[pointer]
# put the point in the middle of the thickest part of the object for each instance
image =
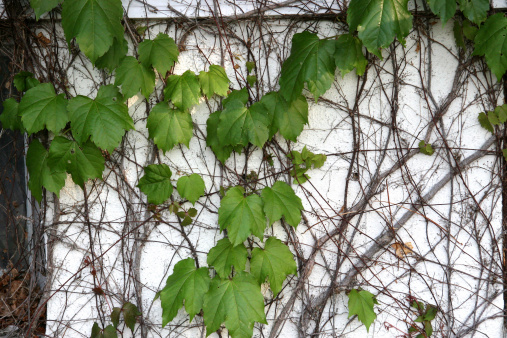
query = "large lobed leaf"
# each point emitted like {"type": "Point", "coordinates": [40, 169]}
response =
{"type": "Point", "coordinates": [214, 81]}
{"type": "Point", "coordinates": [475, 10]}
{"type": "Point", "coordinates": [156, 183]}
{"type": "Point", "coordinates": [10, 118]}
{"type": "Point", "coordinates": [349, 55]}
{"type": "Point", "coordinates": [223, 256]}
{"type": "Point", "coordinates": [445, 9]}
{"type": "Point", "coordinates": [183, 90]}
{"type": "Point", "coordinates": [42, 6]}
{"type": "Point", "coordinates": [134, 77]}
{"type": "Point", "coordinates": [169, 127]}
{"type": "Point", "coordinates": [361, 304]}
{"type": "Point", "coordinates": [191, 187]}
{"type": "Point", "coordinates": [160, 53]}
{"type": "Point", "coordinates": [280, 200]}
{"type": "Point", "coordinates": [491, 41]}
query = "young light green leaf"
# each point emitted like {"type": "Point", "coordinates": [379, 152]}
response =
{"type": "Point", "coordinates": [224, 256]}
{"type": "Point", "coordinates": [378, 22]}
{"type": "Point", "coordinates": [311, 61]}
{"type": "Point", "coordinates": [191, 187]}
{"type": "Point", "coordinates": [104, 119]}
{"type": "Point", "coordinates": [485, 123]}
{"type": "Point", "coordinates": [349, 55]}
{"type": "Point", "coordinates": [41, 174]}
{"type": "Point", "coordinates": [156, 183]}
{"type": "Point", "coordinates": [94, 24]}
{"type": "Point", "coordinates": [24, 81]}
{"type": "Point", "coordinates": [10, 118]}
{"type": "Point", "coordinates": [426, 148]}
{"type": "Point", "coordinates": [115, 316]}
{"type": "Point", "coordinates": [474, 10]}
{"type": "Point", "coordinates": [214, 81]}
{"type": "Point", "coordinates": [169, 127]}
{"type": "Point", "coordinates": [445, 9]}
{"type": "Point", "coordinates": [83, 163]}
{"type": "Point", "coordinates": [251, 79]}
{"type": "Point", "coordinates": [41, 108]}
{"type": "Point", "coordinates": [240, 95]}
{"type": "Point", "coordinates": [238, 302]}
{"type": "Point", "coordinates": [133, 77]}
{"type": "Point", "coordinates": [250, 65]}
{"type": "Point", "coordinates": [241, 215]}
{"type": "Point", "coordinates": [280, 200]}
{"type": "Point", "coordinates": [221, 152]}
{"type": "Point", "coordinates": [239, 125]}
{"type": "Point", "coordinates": [187, 283]}
{"type": "Point", "coordinates": [183, 90]}
{"type": "Point", "coordinates": [42, 6]}
{"type": "Point", "coordinates": [361, 304]}
{"type": "Point", "coordinates": [160, 53]}
{"type": "Point", "coordinates": [130, 312]}
{"type": "Point", "coordinates": [491, 41]}
{"type": "Point", "coordinates": [114, 56]}
{"type": "Point", "coordinates": [275, 262]}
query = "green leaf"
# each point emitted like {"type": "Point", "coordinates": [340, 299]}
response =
{"type": "Point", "coordinates": [291, 121]}
{"type": "Point", "coordinates": [250, 66]}
{"type": "Point", "coordinates": [426, 148]}
{"type": "Point", "coordinates": [241, 215]}
{"type": "Point", "coordinates": [311, 61]}
{"type": "Point", "coordinates": [130, 312]}
{"type": "Point", "coordinates": [156, 183]}
{"type": "Point", "coordinates": [10, 118]}
{"type": "Point", "coordinates": [169, 127]}
{"type": "Point", "coordinates": [94, 24]}
{"type": "Point", "coordinates": [224, 256]}
{"type": "Point", "coordinates": [160, 53]}
{"type": "Point", "coordinates": [445, 9]}
{"type": "Point", "coordinates": [110, 332]}
{"type": "Point", "coordinates": [41, 174]}
{"type": "Point", "coordinates": [501, 113]}
{"type": "Point", "coordinates": [428, 328]}
{"type": "Point", "coordinates": [115, 316]}
{"type": "Point", "coordinates": [134, 77]}
{"type": "Point", "coordinates": [485, 123]}
{"type": "Point", "coordinates": [104, 119]}
{"type": "Point", "coordinates": [191, 187]}
{"type": "Point", "coordinates": [275, 262]}
{"type": "Point", "coordinates": [221, 152]}
{"type": "Point", "coordinates": [431, 312]}
{"type": "Point", "coordinates": [240, 95]}
{"type": "Point", "coordinates": [378, 22]}
{"type": "Point", "coordinates": [458, 34]}
{"type": "Point", "coordinates": [474, 10]}
{"type": "Point", "coordinates": [361, 304]}
{"type": "Point", "coordinates": [504, 153]}
{"type": "Point", "coordinates": [349, 55]}
{"type": "Point", "coordinates": [214, 81]}
{"type": "Point", "coordinates": [251, 79]}
{"type": "Point", "coordinates": [280, 200]}
{"type": "Point", "coordinates": [469, 30]}
{"type": "Point", "coordinates": [239, 125]}
{"type": "Point", "coordinates": [95, 331]}
{"type": "Point", "coordinates": [41, 108]}
{"type": "Point", "coordinates": [114, 56]}
{"type": "Point", "coordinates": [42, 6]}
{"type": "Point", "coordinates": [183, 90]}
{"type": "Point", "coordinates": [238, 302]}
{"type": "Point", "coordinates": [83, 163]}
{"type": "Point", "coordinates": [187, 283]}
{"type": "Point", "coordinates": [24, 81]}
{"type": "Point", "coordinates": [491, 41]}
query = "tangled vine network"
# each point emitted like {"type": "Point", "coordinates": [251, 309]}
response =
{"type": "Point", "coordinates": [400, 179]}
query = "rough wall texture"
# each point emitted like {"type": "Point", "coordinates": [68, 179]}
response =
{"type": "Point", "coordinates": [375, 190]}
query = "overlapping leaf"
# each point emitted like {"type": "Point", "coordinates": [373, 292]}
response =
{"type": "Point", "coordinates": [221, 152]}
{"type": "Point", "coordinates": [491, 41]}
{"type": "Point", "coordinates": [169, 127]}
{"type": "Point", "coordinates": [349, 55]}
{"type": "Point", "coordinates": [156, 183]}
{"type": "Point", "coordinates": [183, 90]}
{"type": "Point", "coordinates": [10, 118]}
{"type": "Point", "coordinates": [191, 187]}
{"type": "Point", "coordinates": [281, 201]}
{"type": "Point", "coordinates": [114, 56]}
{"type": "Point", "coordinates": [160, 53]}
{"type": "Point", "coordinates": [474, 10]}
{"type": "Point", "coordinates": [445, 9]}
{"type": "Point", "coordinates": [223, 256]}
{"type": "Point", "coordinates": [42, 6]}
{"type": "Point", "coordinates": [214, 81]}
{"type": "Point", "coordinates": [24, 81]}
{"type": "Point", "coordinates": [134, 77]}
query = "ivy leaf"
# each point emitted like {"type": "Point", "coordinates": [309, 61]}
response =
{"type": "Point", "coordinates": [191, 187]}
{"type": "Point", "coordinates": [94, 24]}
{"type": "Point", "coordinates": [475, 10]}
{"type": "Point", "coordinates": [214, 81]}
{"type": "Point", "coordinates": [291, 121]}
{"type": "Point", "coordinates": [42, 6]}
{"type": "Point", "coordinates": [24, 81]}
{"type": "Point", "coordinates": [169, 127]}
{"type": "Point", "coordinates": [134, 77]}
{"type": "Point", "coordinates": [238, 302]}
{"type": "Point", "coordinates": [491, 41]}
{"type": "Point", "coordinates": [361, 304]}
{"type": "Point", "coordinates": [114, 56]}
{"type": "Point", "coordinates": [349, 55]}
{"type": "Point", "coordinates": [82, 163]}
{"type": "Point", "coordinates": [504, 153]}
{"type": "Point", "coordinates": [221, 152]}
{"type": "Point", "coordinates": [445, 9]}
{"type": "Point", "coordinates": [240, 125]}
{"type": "Point", "coordinates": [10, 118]}
{"type": "Point", "coordinates": [187, 283]}
{"type": "Point", "coordinates": [485, 123]}
{"type": "Point", "coordinates": [240, 95]}
{"type": "Point", "coordinates": [251, 79]}
{"type": "Point", "coordinates": [426, 148]}
{"type": "Point", "coordinates": [311, 61]}
{"type": "Point", "coordinates": [130, 312]}
{"type": "Point", "coordinates": [160, 53]}
{"type": "Point", "coordinates": [156, 183]}
{"type": "Point", "coordinates": [224, 256]}
{"type": "Point", "coordinates": [250, 65]}
{"type": "Point", "coordinates": [275, 262]}
{"type": "Point", "coordinates": [501, 113]}
{"type": "Point", "coordinates": [378, 22]}
{"type": "Point", "coordinates": [41, 174]}
{"type": "Point", "coordinates": [41, 108]}
{"type": "Point", "coordinates": [95, 331]}
{"type": "Point", "coordinates": [104, 119]}
{"type": "Point", "coordinates": [241, 215]}
{"type": "Point", "coordinates": [110, 332]}
{"type": "Point", "coordinates": [115, 316]}
{"type": "Point", "coordinates": [280, 200]}
{"type": "Point", "coordinates": [183, 90]}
